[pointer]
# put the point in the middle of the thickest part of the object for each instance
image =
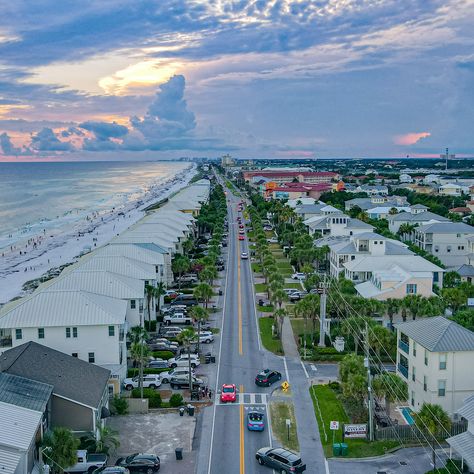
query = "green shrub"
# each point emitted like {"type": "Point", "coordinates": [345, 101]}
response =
{"type": "Point", "coordinates": [154, 398]}
{"type": "Point", "coordinates": [150, 326]}
{"type": "Point", "coordinates": [162, 355]}
{"type": "Point", "coordinates": [119, 405]}
{"type": "Point", "coordinates": [336, 386]}
{"type": "Point", "coordinates": [176, 400]}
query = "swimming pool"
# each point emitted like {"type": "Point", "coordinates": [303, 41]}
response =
{"type": "Point", "coordinates": [407, 414]}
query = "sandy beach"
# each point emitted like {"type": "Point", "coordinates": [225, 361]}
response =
{"type": "Point", "coordinates": [34, 257]}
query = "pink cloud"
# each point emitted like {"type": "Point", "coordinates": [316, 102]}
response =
{"type": "Point", "coordinates": [410, 138]}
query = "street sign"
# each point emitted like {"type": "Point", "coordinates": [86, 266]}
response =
{"type": "Point", "coordinates": [355, 431]}
{"type": "Point", "coordinates": [285, 386]}
{"type": "Point", "coordinates": [334, 425]}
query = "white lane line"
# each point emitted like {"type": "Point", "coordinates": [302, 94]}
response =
{"type": "Point", "coordinates": [219, 360]}
{"type": "Point", "coordinates": [326, 465]}
{"type": "Point", "coordinates": [286, 370]}
{"type": "Point", "coordinates": [313, 367]}
{"type": "Point", "coordinates": [304, 368]}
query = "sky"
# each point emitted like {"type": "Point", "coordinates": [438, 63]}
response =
{"type": "Point", "coordinates": [139, 79]}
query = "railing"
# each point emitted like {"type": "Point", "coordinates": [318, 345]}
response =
{"type": "Point", "coordinates": [412, 433]}
{"type": "Point", "coordinates": [403, 370]}
{"type": "Point", "coordinates": [404, 346]}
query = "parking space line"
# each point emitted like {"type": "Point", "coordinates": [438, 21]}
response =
{"type": "Point", "coordinates": [286, 370]}
{"type": "Point", "coordinates": [304, 368]}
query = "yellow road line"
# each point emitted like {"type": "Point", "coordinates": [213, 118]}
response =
{"type": "Point", "coordinates": [242, 432]}
{"type": "Point", "coordinates": [239, 299]}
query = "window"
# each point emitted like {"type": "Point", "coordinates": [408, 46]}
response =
{"type": "Point", "coordinates": [442, 361]}
{"type": "Point", "coordinates": [458, 236]}
{"type": "Point", "coordinates": [91, 357]}
{"type": "Point", "coordinates": [436, 249]}
{"type": "Point", "coordinates": [40, 333]}
{"type": "Point", "coordinates": [411, 289]}
{"type": "Point", "coordinates": [414, 349]}
{"type": "Point", "coordinates": [111, 330]}
{"type": "Point", "coordinates": [133, 304]}
{"type": "Point", "coordinates": [413, 374]}
{"type": "Point", "coordinates": [413, 399]}
{"type": "Point", "coordinates": [68, 332]}
{"type": "Point", "coordinates": [426, 357]}
{"type": "Point", "coordinates": [75, 354]}
{"type": "Point", "coordinates": [448, 248]}
{"type": "Point", "coordinates": [441, 388]}
{"type": "Point", "coordinates": [460, 247]}
{"type": "Point", "coordinates": [74, 332]}
{"type": "Point", "coordinates": [18, 334]}
{"type": "Point", "coordinates": [425, 383]}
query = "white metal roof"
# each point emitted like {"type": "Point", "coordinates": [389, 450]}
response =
{"type": "Point", "coordinates": [118, 264]}
{"type": "Point", "coordinates": [100, 282]}
{"type": "Point", "coordinates": [18, 427]}
{"type": "Point", "coordinates": [410, 263]}
{"type": "Point", "coordinates": [9, 460]}
{"type": "Point", "coordinates": [158, 228]}
{"type": "Point", "coordinates": [132, 238]}
{"type": "Point", "coordinates": [173, 213]}
{"type": "Point", "coordinates": [51, 308]}
{"type": "Point", "coordinates": [132, 251]}
{"type": "Point", "coordinates": [169, 222]}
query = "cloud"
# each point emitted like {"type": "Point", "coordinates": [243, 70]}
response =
{"type": "Point", "coordinates": [104, 130]}
{"type": "Point", "coordinates": [7, 146]}
{"type": "Point", "coordinates": [410, 138]}
{"type": "Point", "coordinates": [46, 140]}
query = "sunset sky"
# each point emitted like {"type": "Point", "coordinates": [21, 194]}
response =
{"type": "Point", "coordinates": [114, 79]}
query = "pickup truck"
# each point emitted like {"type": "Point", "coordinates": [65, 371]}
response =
{"type": "Point", "coordinates": [88, 462]}
{"type": "Point", "coordinates": [177, 318]}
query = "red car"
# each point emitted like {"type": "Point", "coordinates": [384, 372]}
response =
{"type": "Point", "coordinates": [229, 393]}
{"type": "Point", "coordinates": [241, 237]}
{"type": "Point", "coordinates": [241, 226]}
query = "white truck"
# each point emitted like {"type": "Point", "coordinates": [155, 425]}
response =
{"type": "Point", "coordinates": [177, 318]}
{"type": "Point", "coordinates": [87, 462]}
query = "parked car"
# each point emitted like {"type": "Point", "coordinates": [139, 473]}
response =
{"type": "Point", "coordinates": [183, 360]}
{"type": "Point", "coordinates": [283, 460]}
{"type": "Point", "coordinates": [266, 377]}
{"type": "Point", "coordinates": [177, 318]}
{"type": "Point", "coordinates": [172, 332]}
{"type": "Point", "coordinates": [111, 470]}
{"type": "Point", "coordinates": [177, 372]}
{"type": "Point", "coordinates": [187, 300]}
{"type": "Point", "coordinates": [176, 308]}
{"type": "Point", "coordinates": [147, 463]}
{"type": "Point", "coordinates": [163, 340]}
{"type": "Point", "coordinates": [88, 462]}
{"type": "Point", "coordinates": [205, 338]}
{"type": "Point", "coordinates": [272, 240]}
{"type": "Point", "coordinates": [244, 256]}
{"type": "Point", "coordinates": [149, 381]}
{"type": "Point", "coordinates": [189, 278]}
{"type": "Point", "coordinates": [297, 295]}
{"type": "Point", "coordinates": [255, 421]}
{"type": "Point", "coordinates": [158, 364]}
{"type": "Point", "coordinates": [298, 276]}
{"type": "Point", "coordinates": [182, 381]}
{"type": "Point", "coordinates": [228, 393]}
{"type": "Point", "coordinates": [172, 293]}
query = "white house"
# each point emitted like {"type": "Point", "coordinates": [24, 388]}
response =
{"type": "Point", "coordinates": [446, 240]}
{"type": "Point", "coordinates": [383, 212]}
{"type": "Point", "coordinates": [373, 190]}
{"type": "Point", "coordinates": [452, 189]}
{"type": "Point", "coordinates": [431, 179]}
{"type": "Point", "coordinates": [374, 201]}
{"type": "Point", "coordinates": [86, 325]}
{"type": "Point", "coordinates": [463, 443]}
{"type": "Point", "coordinates": [435, 357]}
{"type": "Point", "coordinates": [337, 224]}
{"type": "Point", "coordinates": [413, 218]}
{"type": "Point", "coordinates": [405, 178]}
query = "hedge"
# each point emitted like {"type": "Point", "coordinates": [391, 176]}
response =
{"type": "Point", "coordinates": [154, 398]}
{"type": "Point", "coordinates": [162, 355]}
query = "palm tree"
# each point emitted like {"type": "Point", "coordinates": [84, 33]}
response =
{"type": "Point", "coordinates": [405, 231]}
{"type": "Point", "coordinates": [200, 315]}
{"type": "Point", "coordinates": [160, 290]}
{"type": "Point", "coordinates": [301, 311]}
{"type": "Point", "coordinates": [186, 337]}
{"type": "Point", "coordinates": [187, 246]}
{"type": "Point", "coordinates": [139, 353]}
{"type": "Point", "coordinates": [203, 292]}
{"type": "Point", "coordinates": [312, 306]}
{"type": "Point", "coordinates": [355, 326]}
{"type": "Point", "coordinates": [351, 364]}
{"type": "Point", "coordinates": [150, 294]}
{"type": "Point", "coordinates": [278, 297]}
{"type": "Point", "coordinates": [390, 387]}
{"type": "Point", "coordinates": [59, 447]}
{"type": "Point", "coordinates": [454, 298]}
{"type": "Point", "coordinates": [208, 274]}
{"type": "Point", "coordinates": [380, 339]}
{"type": "Point", "coordinates": [392, 307]}
{"type": "Point", "coordinates": [432, 420]}
{"type": "Point", "coordinates": [180, 265]}
{"type": "Point", "coordinates": [105, 440]}
{"type": "Point", "coordinates": [279, 316]}
{"type": "Point", "coordinates": [417, 305]}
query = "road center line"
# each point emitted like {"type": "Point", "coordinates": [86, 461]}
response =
{"type": "Point", "coordinates": [242, 434]}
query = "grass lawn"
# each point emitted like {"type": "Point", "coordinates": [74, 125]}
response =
{"type": "Point", "coordinates": [265, 309]}
{"type": "Point", "coordinates": [274, 247]}
{"type": "Point", "coordinates": [298, 326]}
{"type": "Point", "coordinates": [256, 267]}
{"type": "Point", "coordinates": [331, 409]}
{"type": "Point", "coordinates": [280, 412]}
{"type": "Point", "coordinates": [290, 308]}
{"type": "Point", "coordinates": [295, 285]}
{"type": "Point", "coordinates": [260, 288]}
{"type": "Point", "coordinates": [271, 344]}
{"type": "Point", "coordinates": [286, 266]}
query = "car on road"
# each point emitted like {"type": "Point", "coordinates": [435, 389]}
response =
{"type": "Point", "coordinates": [138, 462]}
{"type": "Point", "coordinates": [241, 231]}
{"type": "Point", "coordinates": [228, 393]}
{"type": "Point", "coordinates": [267, 377]}
{"type": "Point", "coordinates": [241, 237]}
{"type": "Point", "coordinates": [158, 364]}
{"type": "Point", "coordinates": [183, 360]}
{"type": "Point", "coordinates": [241, 226]}
{"type": "Point", "coordinates": [182, 381]}
{"type": "Point", "coordinates": [280, 459]}
{"type": "Point", "coordinates": [255, 421]}
{"type": "Point", "coordinates": [149, 381]}
{"type": "Point", "coordinates": [298, 276]}
{"type": "Point", "coordinates": [177, 372]}
{"type": "Point", "coordinates": [244, 255]}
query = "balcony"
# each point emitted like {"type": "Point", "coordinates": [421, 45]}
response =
{"type": "Point", "coordinates": [404, 346]}
{"type": "Point", "coordinates": [403, 370]}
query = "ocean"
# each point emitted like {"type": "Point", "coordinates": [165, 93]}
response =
{"type": "Point", "coordinates": [50, 196]}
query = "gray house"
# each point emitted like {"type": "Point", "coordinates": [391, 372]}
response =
{"type": "Point", "coordinates": [80, 390]}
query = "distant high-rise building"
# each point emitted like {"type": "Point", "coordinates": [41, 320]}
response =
{"type": "Point", "coordinates": [227, 161]}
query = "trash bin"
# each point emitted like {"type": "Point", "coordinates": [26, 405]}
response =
{"type": "Point", "coordinates": [179, 454]}
{"type": "Point", "coordinates": [181, 411]}
{"type": "Point", "coordinates": [344, 449]}
{"type": "Point", "coordinates": [213, 359]}
{"type": "Point", "coordinates": [207, 358]}
{"type": "Point", "coordinates": [336, 449]}
{"type": "Point", "coordinates": [220, 292]}
{"type": "Point", "coordinates": [190, 410]}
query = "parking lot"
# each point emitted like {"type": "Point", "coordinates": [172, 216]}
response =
{"type": "Point", "coordinates": [160, 434]}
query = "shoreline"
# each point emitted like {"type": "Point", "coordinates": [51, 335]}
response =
{"type": "Point", "coordinates": [63, 248]}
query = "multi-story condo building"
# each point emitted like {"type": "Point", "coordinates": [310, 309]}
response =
{"type": "Point", "coordinates": [463, 443]}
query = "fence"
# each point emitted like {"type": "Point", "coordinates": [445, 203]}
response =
{"type": "Point", "coordinates": [412, 433]}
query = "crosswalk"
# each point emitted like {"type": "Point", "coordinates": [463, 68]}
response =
{"type": "Point", "coordinates": [246, 399]}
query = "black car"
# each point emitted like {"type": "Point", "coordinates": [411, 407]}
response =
{"type": "Point", "coordinates": [148, 463]}
{"type": "Point", "coordinates": [160, 346]}
{"type": "Point", "coordinates": [266, 377]}
{"type": "Point", "coordinates": [284, 461]}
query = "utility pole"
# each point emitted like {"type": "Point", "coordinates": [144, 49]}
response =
{"type": "Point", "coordinates": [446, 157]}
{"type": "Point", "coordinates": [322, 315]}
{"type": "Point", "coordinates": [369, 382]}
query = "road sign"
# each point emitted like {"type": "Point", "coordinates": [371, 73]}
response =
{"type": "Point", "coordinates": [285, 386]}
{"type": "Point", "coordinates": [355, 431]}
{"type": "Point", "coordinates": [334, 425]}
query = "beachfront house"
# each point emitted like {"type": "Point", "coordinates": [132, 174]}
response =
{"type": "Point", "coordinates": [85, 325]}
{"type": "Point", "coordinates": [449, 241]}
{"type": "Point", "coordinates": [463, 443]}
{"type": "Point", "coordinates": [80, 391]}
{"type": "Point", "coordinates": [435, 357]}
